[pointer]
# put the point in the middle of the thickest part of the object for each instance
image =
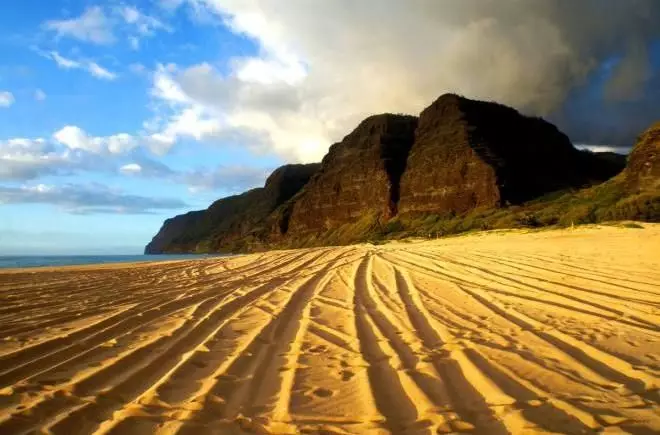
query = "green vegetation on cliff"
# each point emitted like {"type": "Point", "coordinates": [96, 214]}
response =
{"type": "Point", "coordinates": [462, 166]}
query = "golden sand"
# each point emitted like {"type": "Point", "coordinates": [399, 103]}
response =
{"type": "Point", "coordinates": [493, 333]}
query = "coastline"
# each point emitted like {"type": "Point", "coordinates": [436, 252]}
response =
{"type": "Point", "coordinates": [74, 261]}
{"type": "Point", "coordinates": [489, 332]}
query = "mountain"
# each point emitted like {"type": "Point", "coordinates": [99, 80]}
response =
{"type": "Point", "coordinates": [360, 175]}
{"type": "Point", "coordinates": [463, 164]}
{"type": "Point", "coordinates": [473, 154]}
{"type": "Point", "coordinates": [228, 222]}
{"type": "Point", "coordinates": [643, 170]}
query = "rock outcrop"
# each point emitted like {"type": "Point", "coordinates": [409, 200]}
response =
{"type": "Point", "coordinates": [359, 175]}
{"type": "Point", "coordinates": [230, 220]}
{"type": "Point", "coordinates": [458, 156]}
{"type": "Point", "coordinates": [472, 154]}
{"type": "Point", "coordinates": [643, 170]}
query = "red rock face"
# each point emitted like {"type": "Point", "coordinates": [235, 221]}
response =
{"type": "Point", "coordinates": [459, 155]}
{"type": "Point", "coordinates": [229, 220]}
{"type": "Point", "coordinates": [359, 175]}
{"type": "Point", "coordinates": [643, 170]}
{"type": "Point", "coordinates": [444, 173]}
{"type": "Point", "coordinates": [470, 154]}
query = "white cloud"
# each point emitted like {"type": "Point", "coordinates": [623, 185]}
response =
{"type": "Point", "coordinates": [143, 24]}
{"type": "Point", "coordinates": [69, 150]}
{"type": "Point", "coordinates": [260, 113]}
{"type": "Point", "coordinates": [324, 66]}
{"type": "Point", "coordinates": [119, 143]}
{"type": "Point", "coordinates": [603, 148]}
{"type": "Point", "coordinates": [40, 95]}
{"type": "Point", "coordinates": [92, 67]}
{"type": "Point", "coordinates": [92, 26]}
{"type": "Point", "coordinates": [86, 199]}
{"type": "Point", "coordinates": [130, 14]}
{"type": "Point", "coordinates": [189, 123]}
{"type": "Point", "coordinates": [6, 99]}
{"type": "Point", "coordinates": [25, 159]}
{"type": "Point", "coordinates": [139, 25]}
{"type": "Point", "coordinates": [100, 72]}
{"type": "Point", "coordinates": [101, 25]}
{"type": "Point", "coordinates": [74, 138]}
{"type": "Point", "coordinates": [63, 62]}
{"type": "Point", "coordinates": [131, 169]}
{"type": "Point", "coordinates": [73, 151]}
{"type": "Point", "coordinates": [165, 88]}
{"type": "Point", "coordinates": [228, 179]}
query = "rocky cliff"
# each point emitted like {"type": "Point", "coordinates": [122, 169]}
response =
{"type": "Point", "coordinates": [228, 221]}
{"type": "Point", "coordinates": [359, 175]}
{"type": "Point", "coordinates": [459, 156]}
{"type": "Point", "coordinates": [643, 170]}
{"type": "Point", "coordinates": [472, 154]}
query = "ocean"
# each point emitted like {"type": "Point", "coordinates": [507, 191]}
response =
{"type": "Point", "coordinates": [76, 260]}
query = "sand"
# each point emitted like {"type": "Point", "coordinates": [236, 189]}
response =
{"type": "Point", "coordinates": [493, 333]}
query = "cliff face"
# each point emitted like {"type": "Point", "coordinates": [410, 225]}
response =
{"type": "Point", "coordinates": [173, 235]}
{"type": "Point", "coordinates": [458, 156]}
{"type": "Point", "coordinates": [643, 170]}
{"type": "Point", "coordinates": [470, 154]}
{"type": "Point", "coordinates": [228, 220]}
{"type": "Point", "coordinates": [359, 175]}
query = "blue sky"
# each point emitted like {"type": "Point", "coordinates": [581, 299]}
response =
{"type": "Point", "coordinates": [48, 96]}
{"type": "Point", "coordinates": [115, 115]}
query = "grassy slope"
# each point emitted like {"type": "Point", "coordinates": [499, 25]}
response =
{"type": "Point", "coordinates": [603, 203]}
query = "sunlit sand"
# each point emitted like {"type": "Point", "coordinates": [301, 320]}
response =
{"type": "Point", "coordinates": [504, 332]}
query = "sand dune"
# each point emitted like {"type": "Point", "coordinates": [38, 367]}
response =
{"type": "Point", "coordinates": [554, 331]}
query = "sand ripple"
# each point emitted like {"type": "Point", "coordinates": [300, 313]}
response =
{"type": "Point", "coordinates": [555, 331]}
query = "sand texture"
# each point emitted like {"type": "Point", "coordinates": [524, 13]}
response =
{"type": "Point", "coordinates": [493, 333]}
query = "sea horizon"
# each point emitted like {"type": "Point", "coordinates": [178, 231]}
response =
{"type": "Point", "coordinates": [50, 260]}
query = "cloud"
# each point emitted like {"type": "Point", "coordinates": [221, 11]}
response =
{"type": "Point", "coordinates": [6, 99]}
{"type": "Point", "coordinates": [92, 26]}
{"type": "Point", "coordinates": [68, 151]}
{"type": "Point", "coordinates": [77, 139]}
{"type": "Point", "coordinates": [99, 25]}
{"type": "Point", "coordinates": [139, 25]}
{"type": "Point", "coordinates": [90, 66]}
{"type": "Point", "coordinates": [131, 169]}
{"type": "Point", "coordinates": [62, 61]}
{"type": "Point", "coordinates": [324, 66]}
{"type": "Point", "coordinates": [263, 116]}
{"type": "Point", "coordinates": [145, 25]}
{"type": "Point", "coordinates": [40, 95]}
{"type": "Point", "coordinates": [87, 199]}
{"type": "Point", "coordinates": [27, 159]}
{"type": "Point", "coordinates": [100, 72]}
{"type": "Point", "coordinates": [228, 179]}
{"type": "Point", "coordinates": [71, 150]}
{"type": "Point", "coordinates": [603, 148]}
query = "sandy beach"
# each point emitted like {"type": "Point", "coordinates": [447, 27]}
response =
{"type": "Point", "coordinates": [492, 333]}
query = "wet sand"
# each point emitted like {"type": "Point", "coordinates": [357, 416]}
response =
{"type": "Point", "coordinates": [505, 332]}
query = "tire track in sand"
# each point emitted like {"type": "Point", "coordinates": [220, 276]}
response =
{"type": "Point", "coordinates": [256, 378]}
